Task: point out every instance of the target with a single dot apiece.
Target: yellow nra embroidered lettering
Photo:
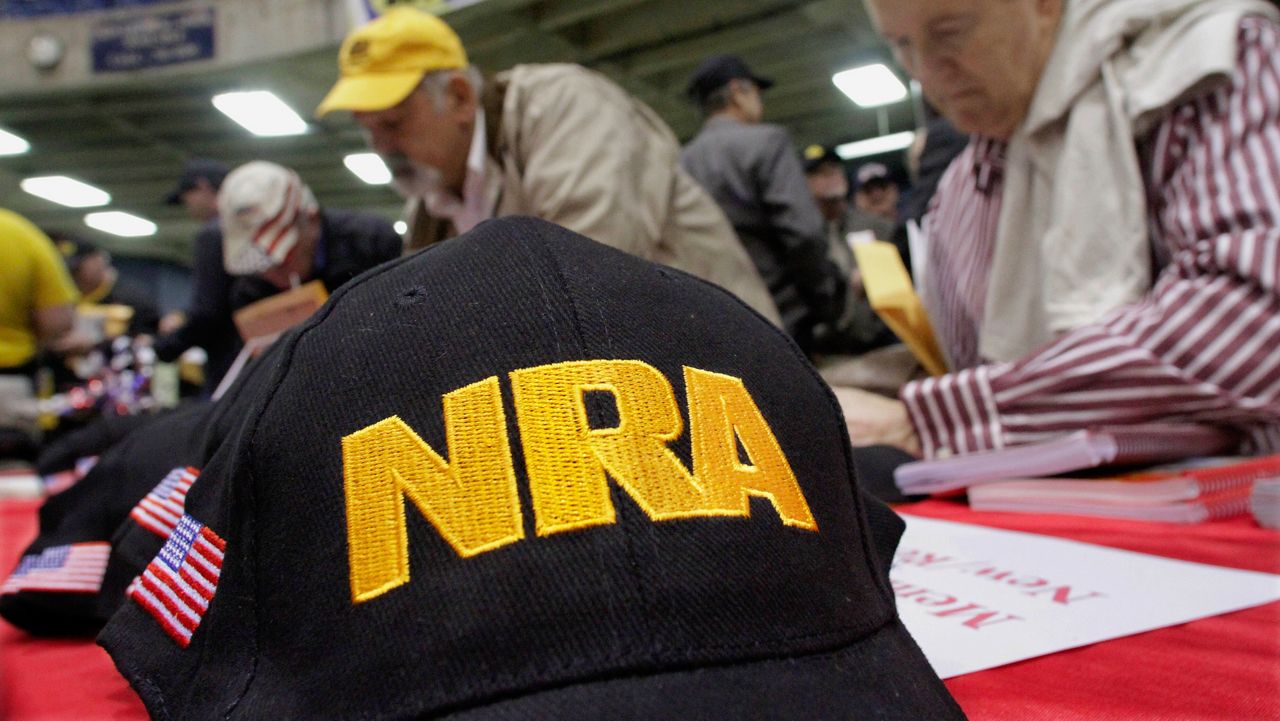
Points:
(472, 500)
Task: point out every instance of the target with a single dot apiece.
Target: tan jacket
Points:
(573, 148)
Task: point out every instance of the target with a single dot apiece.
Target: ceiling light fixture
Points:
(260, 112)
(118, 222)
(875, 146)
(65, 191)
(11, 144)
(870, 85)
(368, 167)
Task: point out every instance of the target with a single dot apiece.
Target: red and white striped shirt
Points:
(1203, 345)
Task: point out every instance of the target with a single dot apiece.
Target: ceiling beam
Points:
(786, 26)
(634, 29)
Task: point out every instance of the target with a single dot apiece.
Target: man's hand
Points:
(873, 419)
(74, 342)
(172, 321)
(855, 283)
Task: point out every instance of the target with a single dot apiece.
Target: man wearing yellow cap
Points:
(554, 141)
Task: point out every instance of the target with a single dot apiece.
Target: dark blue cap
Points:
(194, 171)
(716, 71)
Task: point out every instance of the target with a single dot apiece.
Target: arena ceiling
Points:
(132, 139)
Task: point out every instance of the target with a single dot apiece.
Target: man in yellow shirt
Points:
(37, 296)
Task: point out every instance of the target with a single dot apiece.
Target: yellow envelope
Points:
(273, 315)
(894, 299)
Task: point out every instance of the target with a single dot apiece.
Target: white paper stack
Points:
(1264, 502)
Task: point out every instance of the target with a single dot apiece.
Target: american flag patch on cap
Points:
(180, 581)
(75, 568)
(160, 509)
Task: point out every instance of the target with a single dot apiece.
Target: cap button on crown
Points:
(358, 54)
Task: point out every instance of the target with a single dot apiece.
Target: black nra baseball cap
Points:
(816, 156)
(716, 71)
(522, 475)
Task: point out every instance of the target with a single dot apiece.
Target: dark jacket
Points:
(209, 312)
(753, 173)
(146, 316)
(350, 243)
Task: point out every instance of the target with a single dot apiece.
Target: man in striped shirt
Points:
(1107, 248)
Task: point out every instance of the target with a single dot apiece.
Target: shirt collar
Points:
(988, 162)
(479, 145)
(476, 203)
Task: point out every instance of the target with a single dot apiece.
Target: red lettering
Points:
(940, 600)
(992, 573)
(980, 620)
(917, 557)
(1062, 594)
(981, 616)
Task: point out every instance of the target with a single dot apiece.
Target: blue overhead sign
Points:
(153, 40)
(37, 8)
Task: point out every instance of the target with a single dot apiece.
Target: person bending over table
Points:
(553, 141)
(1106, 249)
(276, 236)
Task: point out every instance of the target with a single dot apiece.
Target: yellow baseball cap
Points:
(382, 61)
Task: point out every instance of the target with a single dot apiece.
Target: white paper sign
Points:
(975, 597)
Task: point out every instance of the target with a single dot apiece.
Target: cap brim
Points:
(883, 676)
(369, 92)
(762, 83)
(814, 163)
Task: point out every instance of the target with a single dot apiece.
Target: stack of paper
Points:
(1181, 495)
(18, 481)
(1104, 446)
(1264, 503)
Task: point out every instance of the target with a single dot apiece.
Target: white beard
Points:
(412, 179)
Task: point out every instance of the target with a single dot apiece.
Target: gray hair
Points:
(434, 83)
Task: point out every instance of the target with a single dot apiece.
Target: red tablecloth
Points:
(53, 680)
(1226, 667)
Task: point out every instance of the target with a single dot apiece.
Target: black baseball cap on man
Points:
(716, 71)
(816, 156)
(192, 173)
(524, 475)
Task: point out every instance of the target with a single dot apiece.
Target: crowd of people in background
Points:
(740, 206)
